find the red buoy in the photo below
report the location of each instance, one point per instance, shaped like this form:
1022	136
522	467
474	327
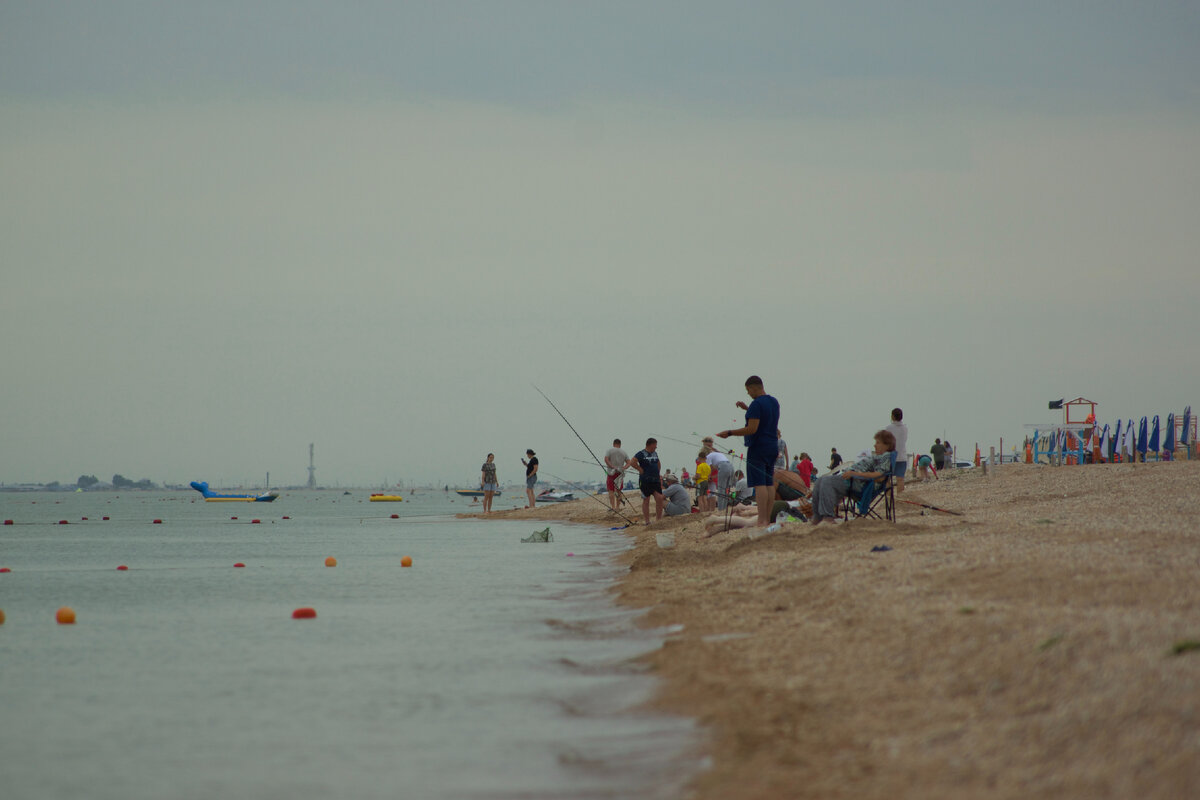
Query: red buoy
63	522
304	613
5	569
158	522
395	516
122	568
239	564
256	522
8	522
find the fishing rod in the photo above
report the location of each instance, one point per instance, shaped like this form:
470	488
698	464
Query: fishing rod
728	452
935	508
572	427
577	487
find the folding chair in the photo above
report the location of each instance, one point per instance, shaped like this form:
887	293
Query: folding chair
865	502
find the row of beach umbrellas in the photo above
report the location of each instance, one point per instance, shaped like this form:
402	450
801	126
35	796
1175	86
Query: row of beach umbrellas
1141	436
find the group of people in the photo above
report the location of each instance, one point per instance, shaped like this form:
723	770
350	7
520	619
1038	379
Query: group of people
767	477
490	485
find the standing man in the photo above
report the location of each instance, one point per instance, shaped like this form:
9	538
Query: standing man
721	467
900	431
615	459
938	451
835	459
647	466
761	433
531	468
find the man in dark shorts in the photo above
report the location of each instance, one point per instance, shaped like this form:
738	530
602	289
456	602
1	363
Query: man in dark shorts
647	466
835	459
938	451
761	433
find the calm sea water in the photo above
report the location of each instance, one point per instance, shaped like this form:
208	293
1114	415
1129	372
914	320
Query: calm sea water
489	669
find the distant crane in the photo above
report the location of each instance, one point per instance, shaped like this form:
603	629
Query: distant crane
312	471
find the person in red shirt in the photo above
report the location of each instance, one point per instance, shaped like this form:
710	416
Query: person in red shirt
805	469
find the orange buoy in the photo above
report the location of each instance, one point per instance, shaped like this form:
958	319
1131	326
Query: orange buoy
122	568
239	564
65	616
331	562
406	561
304	613
1	616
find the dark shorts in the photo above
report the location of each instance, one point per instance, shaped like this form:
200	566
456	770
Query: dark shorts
614	482
760	467
785	492
650	486
901	468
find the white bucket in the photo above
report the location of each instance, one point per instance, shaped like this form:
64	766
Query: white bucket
665	540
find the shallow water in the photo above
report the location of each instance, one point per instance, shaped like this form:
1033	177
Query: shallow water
489	669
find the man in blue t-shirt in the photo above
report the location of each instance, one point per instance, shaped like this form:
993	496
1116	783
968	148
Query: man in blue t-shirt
761	434
647	465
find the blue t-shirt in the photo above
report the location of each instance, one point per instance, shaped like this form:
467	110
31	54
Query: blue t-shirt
649	464
765	409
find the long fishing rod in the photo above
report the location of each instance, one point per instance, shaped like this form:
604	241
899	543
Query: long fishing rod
619	492
569	425
728	452
935	508
577	487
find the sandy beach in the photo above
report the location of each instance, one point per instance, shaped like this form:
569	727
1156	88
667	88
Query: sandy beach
1024	649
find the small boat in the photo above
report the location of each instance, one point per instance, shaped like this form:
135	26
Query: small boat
380	497
551	496
213	497
474	493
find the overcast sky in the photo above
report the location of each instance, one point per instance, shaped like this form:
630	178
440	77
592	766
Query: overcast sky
230	229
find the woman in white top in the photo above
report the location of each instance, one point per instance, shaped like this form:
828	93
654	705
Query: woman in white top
900	431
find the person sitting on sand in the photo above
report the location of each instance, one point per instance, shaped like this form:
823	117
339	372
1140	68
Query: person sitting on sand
677	498
828	490
747	516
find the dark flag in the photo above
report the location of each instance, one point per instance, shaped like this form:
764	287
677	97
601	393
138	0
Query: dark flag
1055	404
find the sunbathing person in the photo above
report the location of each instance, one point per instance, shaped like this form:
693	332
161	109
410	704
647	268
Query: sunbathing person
828	490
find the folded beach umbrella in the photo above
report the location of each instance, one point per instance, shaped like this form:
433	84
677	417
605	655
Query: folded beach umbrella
1169	444
1152	445
1186	434
1104	443
1141	437
1123	438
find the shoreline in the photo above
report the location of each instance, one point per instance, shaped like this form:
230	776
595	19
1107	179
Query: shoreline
1024	649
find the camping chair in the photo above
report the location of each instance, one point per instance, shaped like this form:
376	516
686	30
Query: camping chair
865	502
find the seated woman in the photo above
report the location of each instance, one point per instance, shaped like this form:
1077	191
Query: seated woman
828	490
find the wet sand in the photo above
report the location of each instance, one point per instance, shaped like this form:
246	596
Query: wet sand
1025	649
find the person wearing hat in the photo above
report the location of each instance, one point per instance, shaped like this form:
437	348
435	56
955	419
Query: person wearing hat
677	498
531	468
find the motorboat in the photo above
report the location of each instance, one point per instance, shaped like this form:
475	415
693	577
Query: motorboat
552	496
474	492
216	497
380	497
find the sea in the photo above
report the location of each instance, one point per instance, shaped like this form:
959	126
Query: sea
489	669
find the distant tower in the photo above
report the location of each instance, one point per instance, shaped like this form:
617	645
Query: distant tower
312	471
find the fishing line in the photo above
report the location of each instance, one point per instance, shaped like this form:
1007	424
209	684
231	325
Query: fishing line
594	497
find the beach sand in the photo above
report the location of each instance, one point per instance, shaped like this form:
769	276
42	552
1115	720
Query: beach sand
1024	649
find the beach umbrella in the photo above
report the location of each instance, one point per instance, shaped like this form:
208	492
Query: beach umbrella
1104	443
1123	438
1186	434
1141	438
1152	445
1169	444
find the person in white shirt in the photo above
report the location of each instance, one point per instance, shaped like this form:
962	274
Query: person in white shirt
900	431
722	469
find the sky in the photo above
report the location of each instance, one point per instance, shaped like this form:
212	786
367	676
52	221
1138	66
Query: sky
232	229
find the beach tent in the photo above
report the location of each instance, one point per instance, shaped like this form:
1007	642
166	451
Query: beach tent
1152	445
1169	444
1141	438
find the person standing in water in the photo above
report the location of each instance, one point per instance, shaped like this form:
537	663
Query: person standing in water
531	468
650	481
615	459
487	480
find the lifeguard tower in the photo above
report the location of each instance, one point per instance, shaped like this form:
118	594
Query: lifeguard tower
1066	442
